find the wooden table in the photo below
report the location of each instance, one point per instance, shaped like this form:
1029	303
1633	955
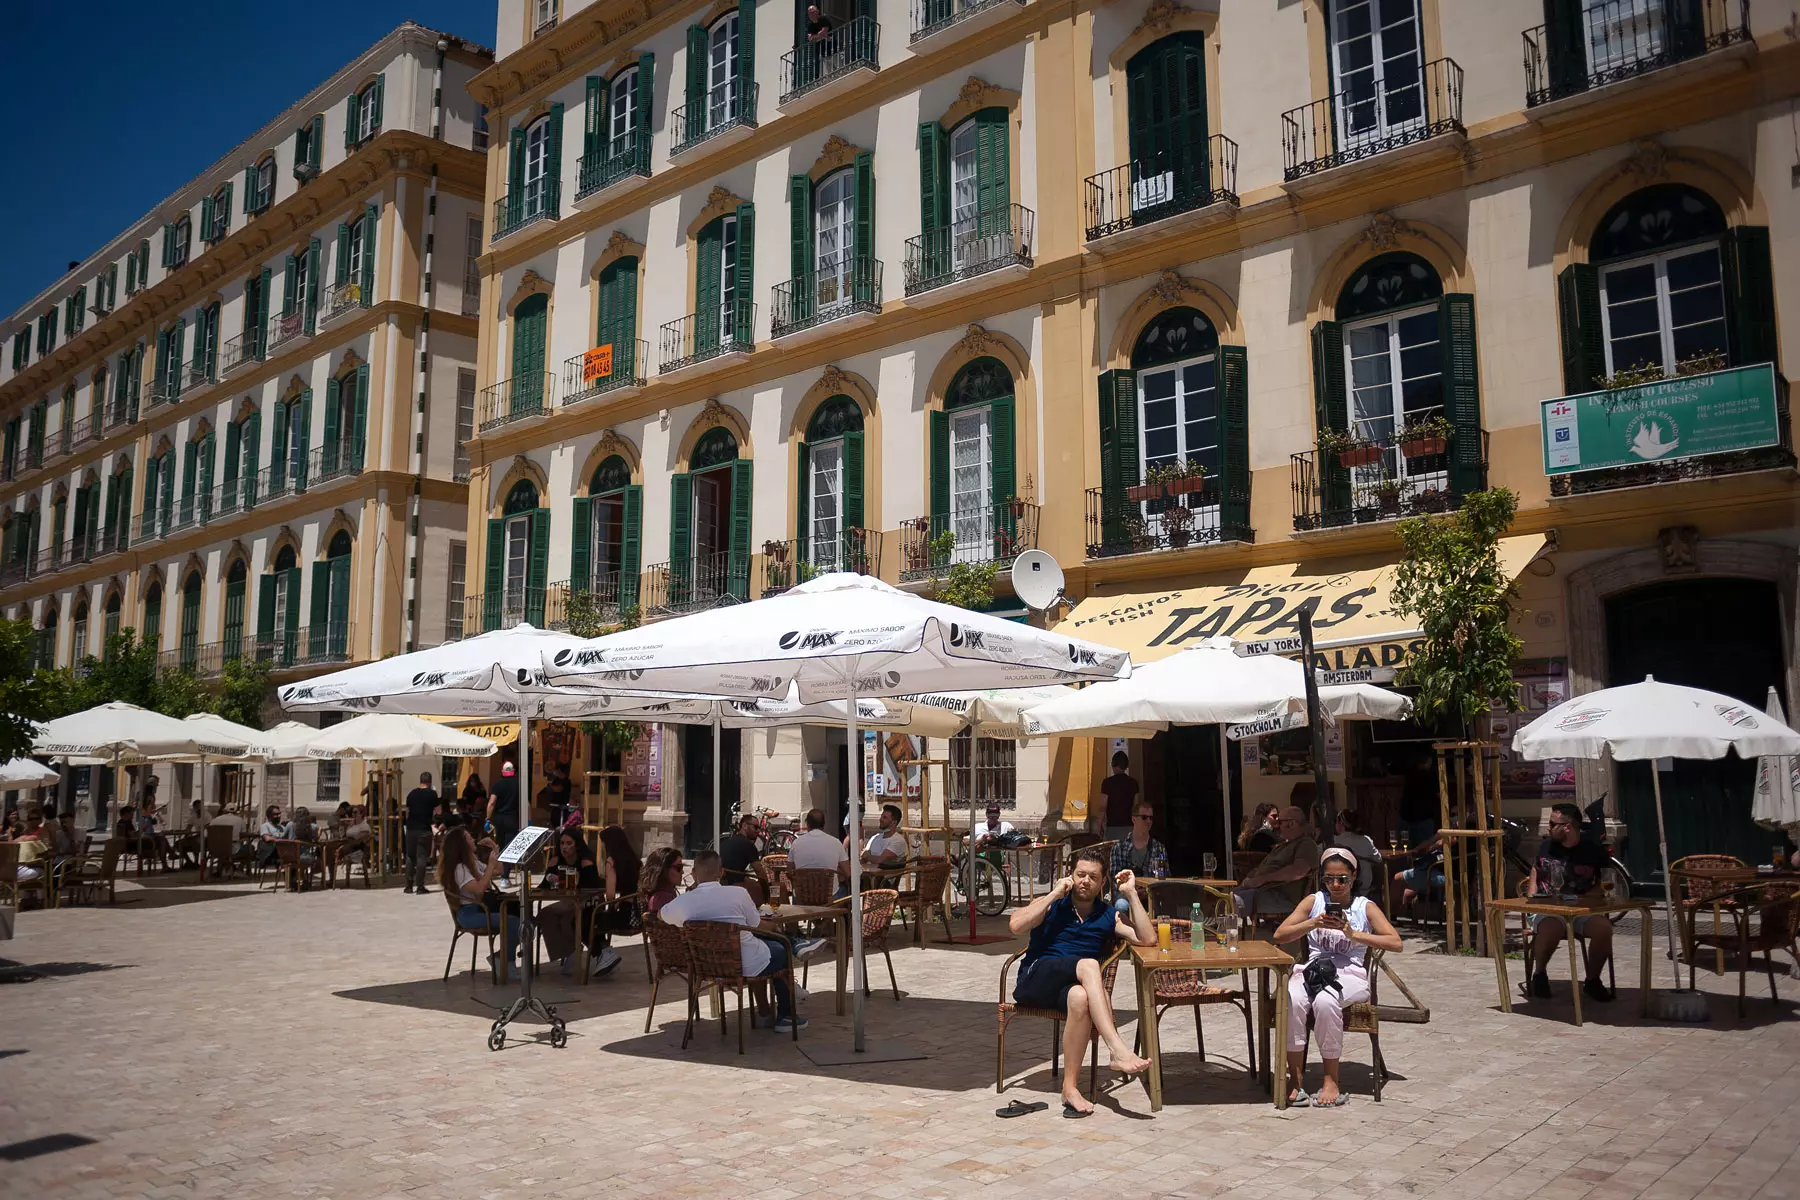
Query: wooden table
1569	910
790	915
1024	858
1265	958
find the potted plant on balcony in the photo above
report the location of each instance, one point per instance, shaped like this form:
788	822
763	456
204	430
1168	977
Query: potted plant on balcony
1349	449
1150	489
1178	523
1182	478
1018	508
1431	500
1387	497
918	549
856	550
1422	437
775	565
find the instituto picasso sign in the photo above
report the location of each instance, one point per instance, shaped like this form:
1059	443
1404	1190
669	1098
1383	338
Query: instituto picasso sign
1673	419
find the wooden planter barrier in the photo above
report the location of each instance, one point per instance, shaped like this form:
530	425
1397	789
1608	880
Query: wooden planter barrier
1474	853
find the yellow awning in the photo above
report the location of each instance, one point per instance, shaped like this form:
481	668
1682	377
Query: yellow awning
1354	623
497	732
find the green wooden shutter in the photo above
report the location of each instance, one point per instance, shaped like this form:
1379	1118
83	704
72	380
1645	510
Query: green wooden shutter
643	105
1118	453
738	561
1565	36
1749	294
993	184
681	536
1583	339
302	440
320	619
252	453
537	567
581	544
260	331
695	124
802	502
853	480
742	324
625	285
206	476
553	162
1002	478
360	428
168	247
493	594
342	272
529	320
312	283
375	108
1234	413
709	251
371	215
1462	379
862	268
251	201
265	609
1684	27
122	538
234	435
290	275
940	470
593	120
631	553
800	229
234	616
746	60
350	122
223	213
278	448
190	461
934	198
212	342
334	392
166	473
1330	411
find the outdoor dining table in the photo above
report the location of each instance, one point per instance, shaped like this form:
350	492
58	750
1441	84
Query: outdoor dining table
1025	858
789	916
1570	910
1265	958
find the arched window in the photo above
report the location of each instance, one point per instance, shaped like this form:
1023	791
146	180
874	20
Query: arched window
723	308
972	460
45	652
830	503
622	109
329	637
1180	433
278	610
530	333
237	578
709	524
363	117
346	424
518	560
1662	279
259	190
832	248
605	550
118	507
153	613
115	604
288	443
243	460
536	174
197	479
616	324
1394	359
191	588
78	647
59	516
177	239
86	533
724	100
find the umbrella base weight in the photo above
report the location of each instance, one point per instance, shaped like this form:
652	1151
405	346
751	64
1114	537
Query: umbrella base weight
559	1034
1679	1004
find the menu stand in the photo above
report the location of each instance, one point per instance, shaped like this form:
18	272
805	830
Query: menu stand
518	853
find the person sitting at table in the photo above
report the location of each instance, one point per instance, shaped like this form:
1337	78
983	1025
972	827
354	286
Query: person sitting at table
33	843
463	873
272	830
304	830
1351	837
1140	853
1279	880
660	881
1569	864
618	913
344	812
992	826
737	851
357	835
11	826
761	958
1339	927
817	850
229	819
1072	927
571	864
64	841
886	847
1261	829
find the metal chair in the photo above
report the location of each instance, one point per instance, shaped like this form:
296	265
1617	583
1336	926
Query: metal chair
491	932
1008	1010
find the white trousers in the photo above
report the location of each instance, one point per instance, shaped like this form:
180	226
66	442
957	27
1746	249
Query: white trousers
1327	1010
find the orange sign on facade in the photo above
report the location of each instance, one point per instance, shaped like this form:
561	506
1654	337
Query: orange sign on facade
596	363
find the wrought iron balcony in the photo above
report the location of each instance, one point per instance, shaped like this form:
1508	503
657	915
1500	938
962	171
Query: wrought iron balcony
199	374
204	660
190	512
79	434
853	46
310	646
287	328
595	374
236	496
993	534
530	394
697	337
340	299
1383	478
609	597
1409	106
536	201
242	350
165	390
1609	41
727	107
336	460
1141	193
484	612
699	582
83	547
794	561
828	295
930	17
627	158
969	248
151	524
1141	519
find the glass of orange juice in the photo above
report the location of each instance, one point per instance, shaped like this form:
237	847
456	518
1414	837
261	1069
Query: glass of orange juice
1165	936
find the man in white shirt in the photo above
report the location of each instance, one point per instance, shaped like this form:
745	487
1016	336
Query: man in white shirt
231	820
708	900
816	849
993	827
886	848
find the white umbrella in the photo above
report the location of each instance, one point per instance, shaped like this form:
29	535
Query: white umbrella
1364	701
23	772
218	728
395	735
1654	720
117	732
287	742
1777	799
840	636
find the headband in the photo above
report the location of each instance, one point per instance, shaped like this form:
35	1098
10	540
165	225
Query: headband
1341	854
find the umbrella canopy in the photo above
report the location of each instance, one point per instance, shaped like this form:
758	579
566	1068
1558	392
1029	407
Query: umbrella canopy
1364	701
1653	720
1007	712
218	730
395	735
287	742
895	716
1777	779
119	732
23	772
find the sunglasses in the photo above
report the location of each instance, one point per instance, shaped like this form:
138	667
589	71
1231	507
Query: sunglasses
1143	816
1339	878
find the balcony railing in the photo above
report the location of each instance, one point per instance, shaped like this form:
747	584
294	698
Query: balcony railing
692	584
852	46
310	646
536	201
340	299
530	394
190	512
79	549
205	660
969	248
199	373
166	390
1134	522
285	329
1613	40
785	564
595	374
241	350
727	329
484	612
80	433
1364	120
727	107
935	16
1139	193
1385	478
995	533
336	460
629	156
826	295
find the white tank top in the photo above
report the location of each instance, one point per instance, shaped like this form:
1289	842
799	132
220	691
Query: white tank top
1332	944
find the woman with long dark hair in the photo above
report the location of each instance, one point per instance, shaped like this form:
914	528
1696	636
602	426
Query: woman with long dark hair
466	878
619	913
660	879
571	864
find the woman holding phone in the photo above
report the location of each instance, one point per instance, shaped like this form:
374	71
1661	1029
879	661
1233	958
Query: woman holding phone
1339	927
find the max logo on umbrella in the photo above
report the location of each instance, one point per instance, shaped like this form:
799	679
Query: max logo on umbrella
815	639
580	658
428	679
969	639
1084	658
870	683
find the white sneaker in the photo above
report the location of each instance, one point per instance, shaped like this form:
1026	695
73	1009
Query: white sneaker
804	947
608	960
800	993
786	1024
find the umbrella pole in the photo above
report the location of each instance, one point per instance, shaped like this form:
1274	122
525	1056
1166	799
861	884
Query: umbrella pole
968	855
853	791
718	791
1225	863
1662	840
524	770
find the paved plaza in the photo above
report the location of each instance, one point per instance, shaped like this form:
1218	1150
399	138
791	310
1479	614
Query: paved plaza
218	1041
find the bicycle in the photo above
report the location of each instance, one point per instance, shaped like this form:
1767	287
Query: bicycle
772	840
993	884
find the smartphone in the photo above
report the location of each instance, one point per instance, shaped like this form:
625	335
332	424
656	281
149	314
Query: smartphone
1333	910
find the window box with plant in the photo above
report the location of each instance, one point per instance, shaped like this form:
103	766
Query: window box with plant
1350	450
1424	437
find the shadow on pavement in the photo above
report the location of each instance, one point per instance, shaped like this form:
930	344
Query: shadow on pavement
49	1144
13	972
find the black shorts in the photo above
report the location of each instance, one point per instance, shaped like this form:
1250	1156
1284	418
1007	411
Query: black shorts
1045	983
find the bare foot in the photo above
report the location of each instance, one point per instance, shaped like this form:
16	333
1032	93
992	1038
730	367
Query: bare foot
1327	1094
1129	1064
1075	1100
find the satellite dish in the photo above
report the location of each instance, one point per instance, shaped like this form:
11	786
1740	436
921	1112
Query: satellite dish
1037	579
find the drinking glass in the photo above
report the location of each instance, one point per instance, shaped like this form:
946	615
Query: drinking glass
1778	856
1209	863
1394	843
1231	932
1165	936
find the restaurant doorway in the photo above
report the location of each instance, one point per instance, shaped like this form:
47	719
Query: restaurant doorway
1720	634
1181	777
697	786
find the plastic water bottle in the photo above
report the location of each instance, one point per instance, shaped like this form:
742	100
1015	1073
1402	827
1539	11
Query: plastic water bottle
1197	928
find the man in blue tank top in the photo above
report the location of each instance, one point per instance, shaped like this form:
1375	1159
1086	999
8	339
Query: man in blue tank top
1072	929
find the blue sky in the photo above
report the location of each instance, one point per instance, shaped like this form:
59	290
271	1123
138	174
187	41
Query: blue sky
128	101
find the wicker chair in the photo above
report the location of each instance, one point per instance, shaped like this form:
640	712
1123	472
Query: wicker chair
774	870
1189	989
492	931
1699	894
665	953
1008	1010
219	850
345	859
931	886
1777	915
91	875
293	865
878	917
1362	1017
714	949
813	886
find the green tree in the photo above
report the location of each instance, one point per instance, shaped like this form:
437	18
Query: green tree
180	693
126	671
27	696
965	584
1452	582
243	690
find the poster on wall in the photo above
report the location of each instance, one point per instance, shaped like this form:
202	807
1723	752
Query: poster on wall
1543	684
642	766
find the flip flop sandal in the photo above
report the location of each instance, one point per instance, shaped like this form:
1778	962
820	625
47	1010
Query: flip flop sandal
1071	1113
1300	1100
1342	1099
1019	1108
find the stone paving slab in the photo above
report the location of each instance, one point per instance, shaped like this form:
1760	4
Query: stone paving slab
222	1041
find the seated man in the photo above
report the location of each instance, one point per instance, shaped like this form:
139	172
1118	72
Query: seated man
1567	858
357	834
1072	929
1280	879
1140	853
708	900
736	854
817	850
1425	878
886	846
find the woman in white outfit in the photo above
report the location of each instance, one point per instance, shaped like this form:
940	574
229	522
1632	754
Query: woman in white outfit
1338	926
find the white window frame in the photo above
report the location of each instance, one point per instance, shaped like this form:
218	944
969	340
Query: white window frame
265	183
1203	514
516	532
456	583
534	178
621	112
353	251
1665	318
365	113
728	253
825	501
834	237
965	201
1393	464
1635	32
722	86
1379	59
972	523
600	549
543	15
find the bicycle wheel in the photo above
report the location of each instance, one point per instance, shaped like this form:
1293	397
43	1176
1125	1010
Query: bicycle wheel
781	841
993	891
1615	872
